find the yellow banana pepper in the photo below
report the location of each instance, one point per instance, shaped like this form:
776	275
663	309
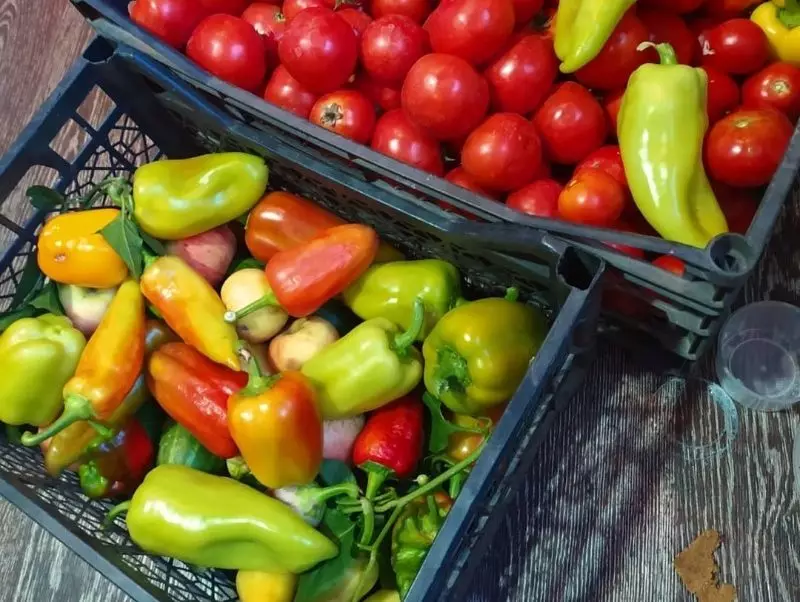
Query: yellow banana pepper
780	21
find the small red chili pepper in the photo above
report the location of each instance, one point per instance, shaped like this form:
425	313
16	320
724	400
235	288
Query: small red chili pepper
390	444
194	391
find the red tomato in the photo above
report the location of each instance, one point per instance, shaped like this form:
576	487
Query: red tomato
526	10
776	86
607	159
171	20
700	26
738	204
723	94
291	8
737	46
461	178
746	147
572	124
727	8
383	97
231	49
475	30
286	92
671	263
416	10
520	79
444	95
626	249
396	136
593	198
611	69
267	20
539	198
675	6
390	46
670	28
358	19
611	103
346	112
503	153
319	49
230	7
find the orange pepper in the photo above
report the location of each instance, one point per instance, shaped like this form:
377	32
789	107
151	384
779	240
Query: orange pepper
71	250
108	368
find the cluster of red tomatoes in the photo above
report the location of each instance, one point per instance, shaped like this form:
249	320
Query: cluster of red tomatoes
479	80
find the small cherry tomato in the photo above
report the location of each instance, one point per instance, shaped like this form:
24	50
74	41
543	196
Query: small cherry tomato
776	86
503	153
571	123
670	28
608	159
416	10
286	92
671	263
390	46
611	103
736	46
593	198
384	97
746	147
397	137
723	94
348	113
173	21
539	198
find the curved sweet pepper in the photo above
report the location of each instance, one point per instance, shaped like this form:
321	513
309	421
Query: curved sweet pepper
276	425
108	368
369	367
583	27
37	358
71	250
661	125
780	22
175	199
191	308
194	391
479	352
389	290
217	522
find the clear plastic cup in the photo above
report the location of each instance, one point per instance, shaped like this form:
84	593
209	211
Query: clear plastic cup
758	354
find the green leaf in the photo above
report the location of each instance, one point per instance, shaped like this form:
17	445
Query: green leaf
248	263
30	280
48	300
45	198
441	428
155	245
334	472
9	317
123	236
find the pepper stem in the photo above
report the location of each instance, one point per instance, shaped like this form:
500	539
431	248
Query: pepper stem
328	493
93	483
268	300
115	512
256	382
75	408
512	294
404	340
369	521
666	53
377	474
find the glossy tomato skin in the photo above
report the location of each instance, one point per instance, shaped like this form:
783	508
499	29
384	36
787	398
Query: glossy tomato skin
526	10
611	69
521	77
611	104
776	86
608	159
286	92
358	19
292	8
319	49
539	198
173	21
675	6
571	123
228	7
503	153
444	95
746	147
475	30
397	137
668	27
231	49
268	21
736	46
723	94
390	46
345	112
416	10
700	26
383	97
593	198
670	263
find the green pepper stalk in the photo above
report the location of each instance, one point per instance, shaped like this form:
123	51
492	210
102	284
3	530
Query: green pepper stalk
309	500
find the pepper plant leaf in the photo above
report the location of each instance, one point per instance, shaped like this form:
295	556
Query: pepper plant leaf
44	198
29	282
123	236
47	300
441	427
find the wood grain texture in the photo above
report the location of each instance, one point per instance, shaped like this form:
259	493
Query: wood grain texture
616	491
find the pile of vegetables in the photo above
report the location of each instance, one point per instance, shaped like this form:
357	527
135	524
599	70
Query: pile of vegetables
660	117
249	376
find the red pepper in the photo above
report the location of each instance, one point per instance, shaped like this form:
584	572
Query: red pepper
304	278
390	444
119	465
194	391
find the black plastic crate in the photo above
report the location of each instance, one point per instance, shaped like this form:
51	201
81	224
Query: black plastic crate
682	313
142	124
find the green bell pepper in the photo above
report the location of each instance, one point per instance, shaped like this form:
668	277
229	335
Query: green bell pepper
217	522
37	358
369	367
477	355
388	291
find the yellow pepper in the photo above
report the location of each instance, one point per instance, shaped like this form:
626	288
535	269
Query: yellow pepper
257	586
779	20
